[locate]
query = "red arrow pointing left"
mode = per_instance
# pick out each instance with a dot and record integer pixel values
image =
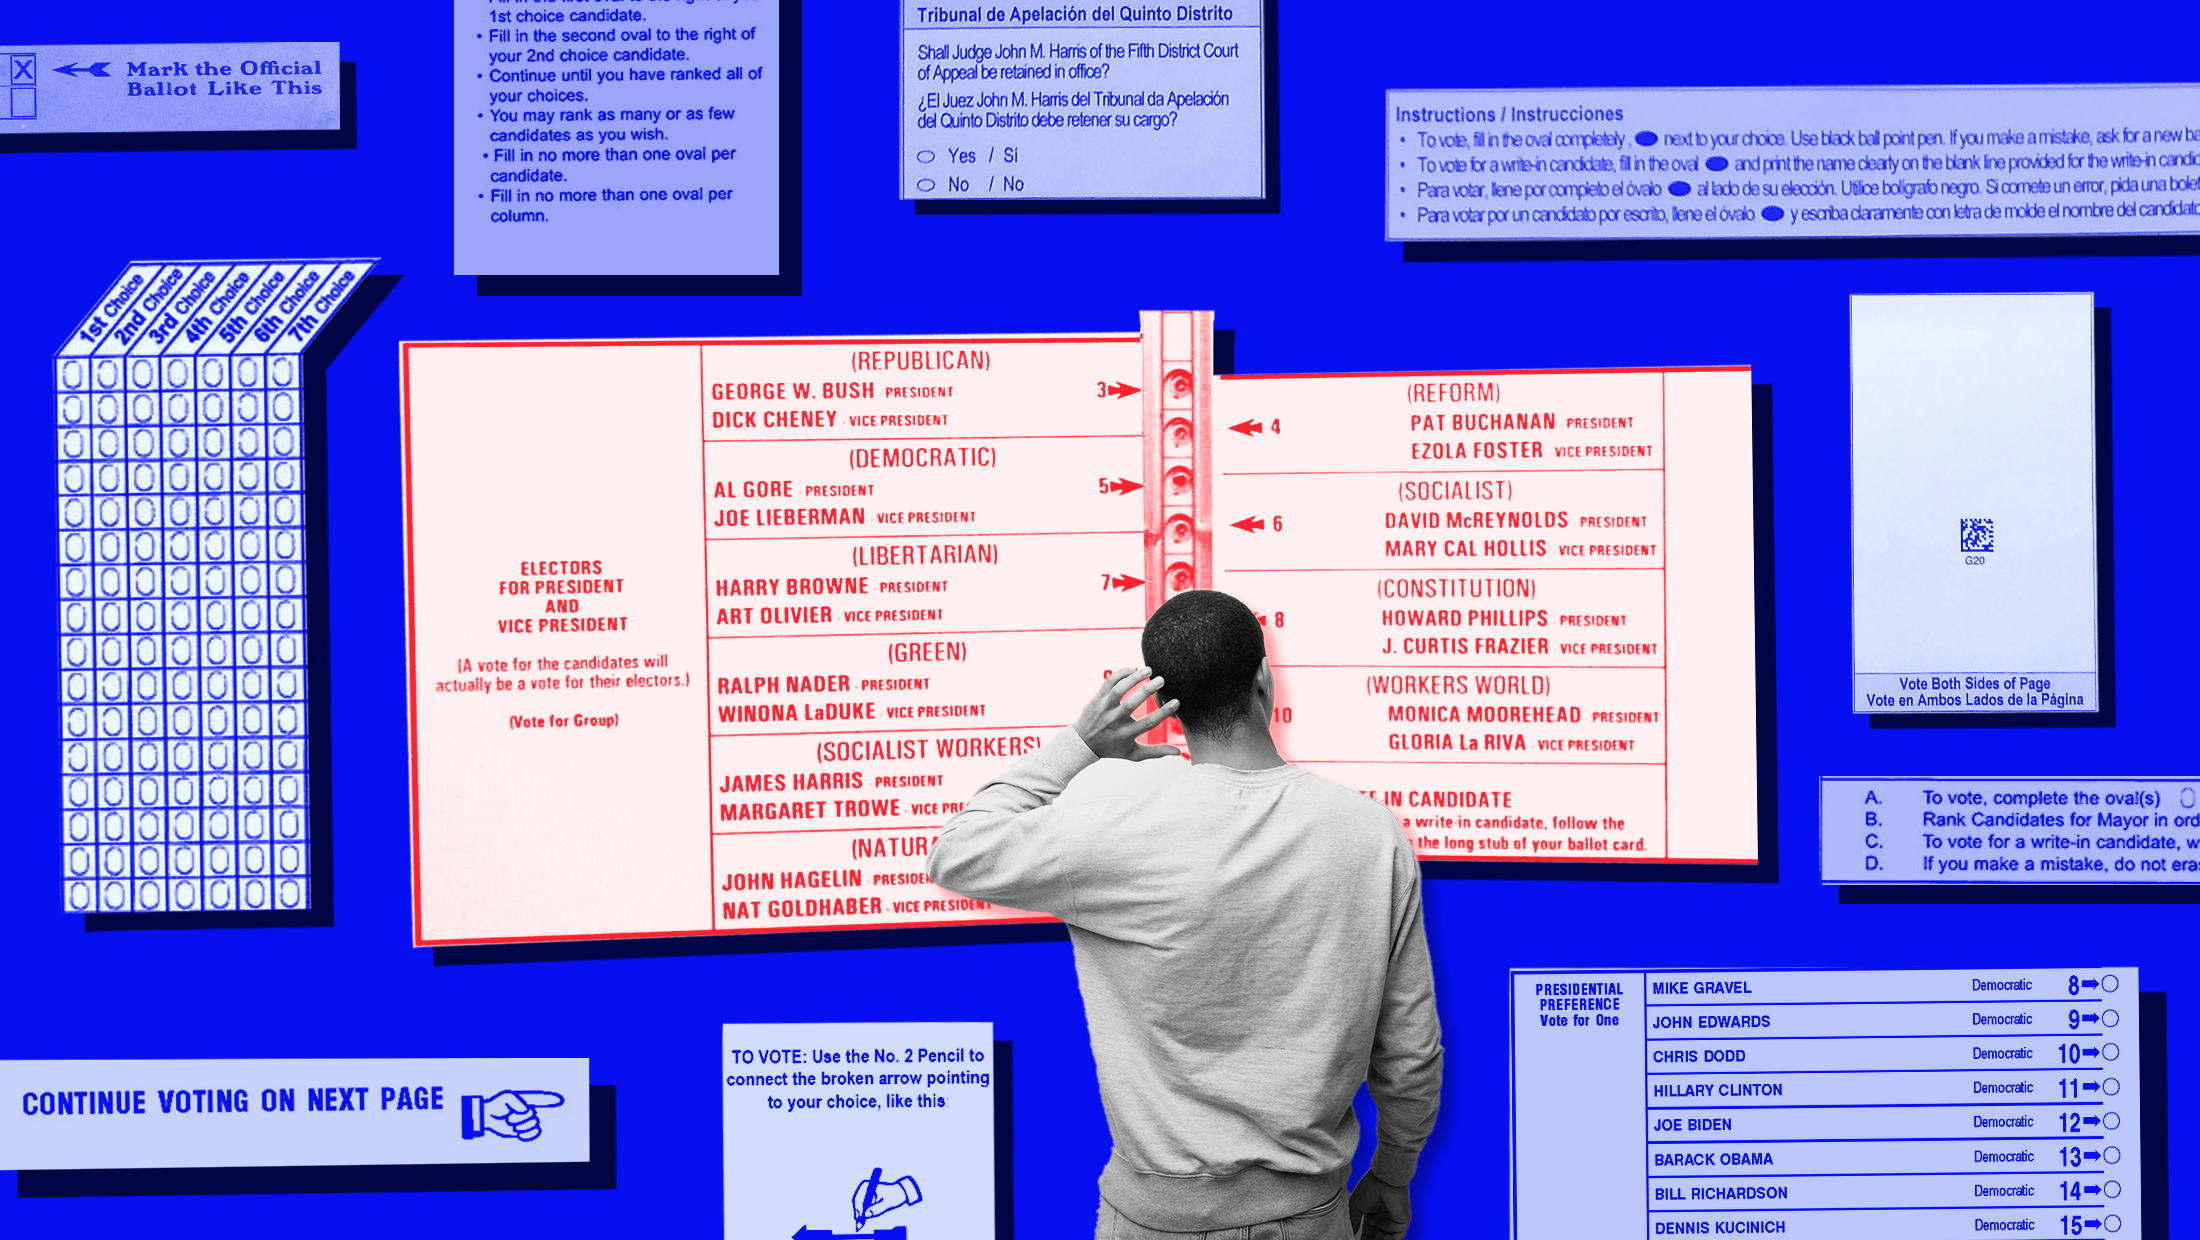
(1250, 524)
(1251, 426)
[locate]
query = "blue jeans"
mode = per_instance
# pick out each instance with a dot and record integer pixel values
(1327, 1221)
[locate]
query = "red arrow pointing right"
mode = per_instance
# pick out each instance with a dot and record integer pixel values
(1250, 524)
(1250, 426)
(1124, 486)
(1127, 583)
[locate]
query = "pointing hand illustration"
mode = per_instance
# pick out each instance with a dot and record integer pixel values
(510, 1113)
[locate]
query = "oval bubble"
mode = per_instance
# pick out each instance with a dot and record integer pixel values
(1646, 138)
(925, 186)
(1679, 189)
(925, 157)
(1774, 214)
(1717, 163)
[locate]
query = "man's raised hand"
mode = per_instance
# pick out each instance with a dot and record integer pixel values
(1107, 726)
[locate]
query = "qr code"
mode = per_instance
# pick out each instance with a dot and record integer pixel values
(1977, 533)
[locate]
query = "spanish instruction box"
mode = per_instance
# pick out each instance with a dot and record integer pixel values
(170, 87)
(616, 138)
(2014, 830)
(1795, 162)
(1823, 1103)
(1971, 458)
(1082, 101)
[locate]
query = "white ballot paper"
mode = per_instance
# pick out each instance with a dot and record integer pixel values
(1971, 433)
(713, 636)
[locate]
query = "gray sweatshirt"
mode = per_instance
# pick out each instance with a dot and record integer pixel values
(1249, 946)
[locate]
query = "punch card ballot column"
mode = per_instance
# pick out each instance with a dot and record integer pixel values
(181, 462)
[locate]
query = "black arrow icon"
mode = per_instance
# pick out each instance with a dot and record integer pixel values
(96, 69)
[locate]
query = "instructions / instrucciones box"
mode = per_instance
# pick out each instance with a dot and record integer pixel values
(617, 139)
(1793, 162)
(1082, 101)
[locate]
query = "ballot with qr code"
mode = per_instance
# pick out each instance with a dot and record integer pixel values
(1974, 414)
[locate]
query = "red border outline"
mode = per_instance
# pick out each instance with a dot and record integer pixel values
(412, 680)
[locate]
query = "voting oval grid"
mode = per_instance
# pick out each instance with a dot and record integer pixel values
(182, 580)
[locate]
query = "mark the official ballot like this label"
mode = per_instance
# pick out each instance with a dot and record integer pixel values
(170, 87)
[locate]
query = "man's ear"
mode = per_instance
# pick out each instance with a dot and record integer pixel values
(1265, 681)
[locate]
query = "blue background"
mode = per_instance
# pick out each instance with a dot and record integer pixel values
(1314, 288)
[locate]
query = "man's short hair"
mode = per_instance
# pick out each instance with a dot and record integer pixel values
(1208, 647)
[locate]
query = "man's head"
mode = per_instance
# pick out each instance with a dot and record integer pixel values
(1209, 648)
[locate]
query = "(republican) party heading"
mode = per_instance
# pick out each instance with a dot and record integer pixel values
(1847, 161)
